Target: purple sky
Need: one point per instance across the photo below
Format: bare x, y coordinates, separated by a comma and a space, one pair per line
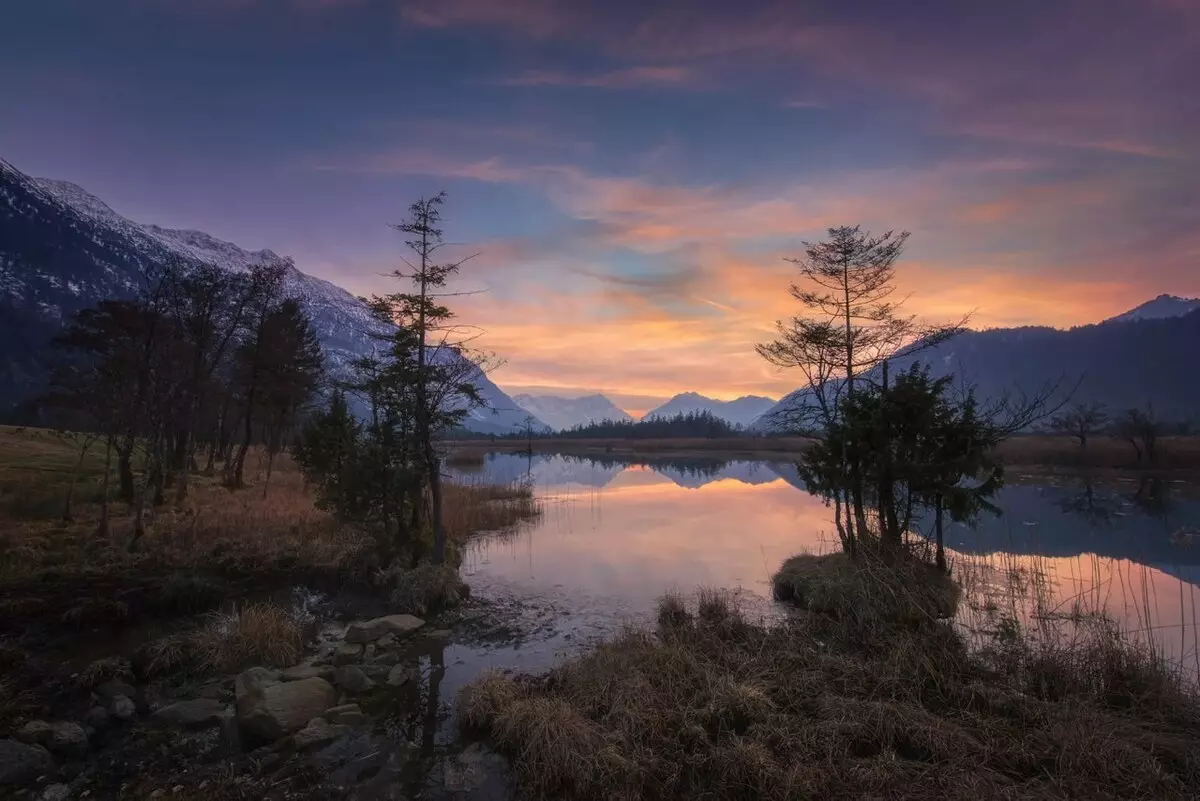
632, 174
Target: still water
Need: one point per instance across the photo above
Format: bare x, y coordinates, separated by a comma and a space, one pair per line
616, 535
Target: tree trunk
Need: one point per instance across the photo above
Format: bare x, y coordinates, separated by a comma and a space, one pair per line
435, 491
270, 465
941, 549
102, 526
66, 515
125, 473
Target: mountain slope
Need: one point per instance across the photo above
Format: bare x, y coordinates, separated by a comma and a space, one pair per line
63, 249
1159, 308
742, 411
1150, 362
563, 413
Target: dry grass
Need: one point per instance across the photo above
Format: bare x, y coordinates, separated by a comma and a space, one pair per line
426, 589
714, 707
256, 634
1173, 453
473, 508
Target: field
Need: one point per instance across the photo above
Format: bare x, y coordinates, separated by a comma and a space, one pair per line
217, 543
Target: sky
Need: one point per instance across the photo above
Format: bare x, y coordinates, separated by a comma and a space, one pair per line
632, 175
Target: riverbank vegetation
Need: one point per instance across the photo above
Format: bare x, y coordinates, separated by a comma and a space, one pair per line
820, 706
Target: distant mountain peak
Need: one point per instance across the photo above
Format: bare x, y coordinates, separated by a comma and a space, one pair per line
1159, 308
743, 411
562, 413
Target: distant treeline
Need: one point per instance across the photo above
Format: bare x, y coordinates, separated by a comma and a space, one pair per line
692, 424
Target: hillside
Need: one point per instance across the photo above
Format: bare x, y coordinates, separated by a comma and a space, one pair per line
63, 249
742, 411
562, 413
1129, 361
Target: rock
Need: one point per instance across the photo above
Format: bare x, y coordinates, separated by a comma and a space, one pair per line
61, 738
440, 634
387, 658
254, 680
113, 688
369, 631
56, 792
477, 774
346, 714
347, 653
271, 711
196, 714
399, 675
21, 762
352, 680
300, 672
97, 718
122, 708
317, 733
369, 651
387, 641
375, 671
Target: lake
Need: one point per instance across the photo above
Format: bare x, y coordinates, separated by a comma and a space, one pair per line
616, 534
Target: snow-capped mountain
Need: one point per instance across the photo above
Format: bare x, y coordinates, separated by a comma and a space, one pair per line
62, 249
1159, 308
563, 413
742, 411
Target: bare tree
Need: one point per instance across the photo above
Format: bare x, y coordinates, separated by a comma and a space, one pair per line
851, 324
1140, 429
1081, 421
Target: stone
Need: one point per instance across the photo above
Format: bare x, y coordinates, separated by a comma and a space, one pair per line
375, 671
369, 651
346, 714
317, 733
199, 713
254, 680
387, 641
230, 734
368, 631
477, 774
61, 738
300, 672
351, 679
122, 707
114, 687
347, 653
440, 634
387, 658
56, 792
97, 718
274, 710
400, 675
22, 762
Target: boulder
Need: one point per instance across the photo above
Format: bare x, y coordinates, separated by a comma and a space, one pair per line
387, 658
22, 762
56, 792
352, 680
270, 711
254, 680
400, 675
317, 733
122, 707
371, 630
61, 738
346, 714
300, 672
199, 713
387, 641
97, 718
347, 653
113, 688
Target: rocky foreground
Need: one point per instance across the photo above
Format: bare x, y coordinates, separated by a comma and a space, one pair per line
309, 730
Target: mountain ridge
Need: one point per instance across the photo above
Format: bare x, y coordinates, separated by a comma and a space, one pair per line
561, 413
63, 249
741, 411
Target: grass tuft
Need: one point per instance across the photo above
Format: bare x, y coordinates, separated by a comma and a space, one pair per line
426, 589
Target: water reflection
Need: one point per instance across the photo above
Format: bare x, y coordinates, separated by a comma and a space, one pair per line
617, 533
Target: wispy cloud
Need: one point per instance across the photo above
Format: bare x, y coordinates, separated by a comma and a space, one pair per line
629, 77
